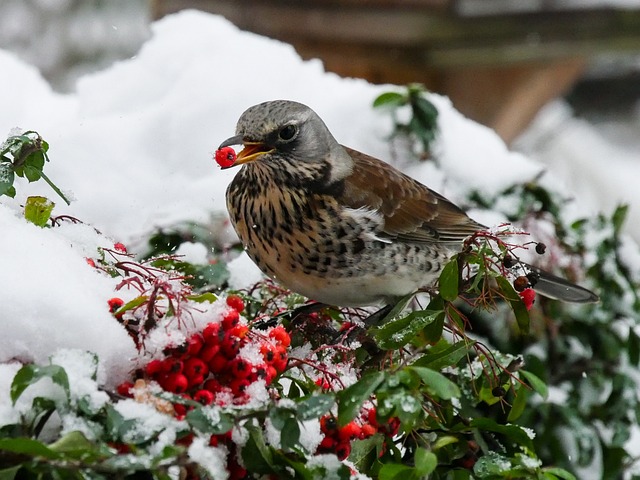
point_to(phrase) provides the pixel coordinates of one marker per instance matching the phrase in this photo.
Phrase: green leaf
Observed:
(436, 383)
(38, 210)
(390, 99)
(30, 374)
(290, 434)
(315, 406)
(6, 177)
(425, 461)
(73, 444)
(538, 385)
(446, 357)
(351, 398)
(27, 446)
(559, 473)
(132, 304)
(257, 457)
(512, 432)
(210, 420)
(516, 303)
(633, 348)
(618, 218)
(401, 331)
(203, 297)
(391, 471)
(519, 404)
(9, 473)
(398, 308)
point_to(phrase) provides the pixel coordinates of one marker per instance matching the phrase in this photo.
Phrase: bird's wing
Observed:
(411, 211)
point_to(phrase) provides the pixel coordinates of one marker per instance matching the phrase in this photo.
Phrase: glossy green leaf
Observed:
(315, 406)
(449, 356)
(28, 446)
(256, 455)
(389, 99)
(396, 471)
(425, 461)
(401, 331)
(516, 303)
(436, 383)
(30, 374)
(536, 383)
(351, 398)
(7, 177)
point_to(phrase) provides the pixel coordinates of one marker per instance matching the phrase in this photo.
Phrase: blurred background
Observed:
(500, 61)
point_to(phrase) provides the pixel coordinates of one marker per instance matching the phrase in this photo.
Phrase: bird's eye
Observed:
(288, 132)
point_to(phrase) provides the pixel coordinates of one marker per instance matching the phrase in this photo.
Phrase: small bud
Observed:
(508, 261)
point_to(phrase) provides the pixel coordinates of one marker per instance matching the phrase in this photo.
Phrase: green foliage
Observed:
(24, 155)
(422, 125)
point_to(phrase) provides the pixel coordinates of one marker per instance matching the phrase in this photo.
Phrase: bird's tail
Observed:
(558, 288)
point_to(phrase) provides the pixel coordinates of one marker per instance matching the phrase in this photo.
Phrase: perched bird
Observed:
(339, 226)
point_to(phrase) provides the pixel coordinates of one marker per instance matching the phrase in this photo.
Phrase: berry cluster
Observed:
(209, 368)
(338, 439)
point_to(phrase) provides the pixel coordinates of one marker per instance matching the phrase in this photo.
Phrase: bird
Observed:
(339, 226)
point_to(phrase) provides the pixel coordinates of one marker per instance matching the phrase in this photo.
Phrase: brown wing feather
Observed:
(412, 212)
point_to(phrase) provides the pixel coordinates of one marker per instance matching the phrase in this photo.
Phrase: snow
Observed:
(213, 459)
(595, 170)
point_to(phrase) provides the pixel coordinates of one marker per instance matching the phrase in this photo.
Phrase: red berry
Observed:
(240, 368)
(120, 247)
(172, 365)
(180, 409)
(328, 444)
(268, 351)
(219, 363)
(154, 368)
(208, 352)
(213, 334)
(280, 335)
(230, 346)
(212, 385)
(271, 374)
(194, 344)
(124, 389)
(114, 304)
(175, 383)
(239, 385)
(196, 381)
(329, 425)
(350, 431)
(280, 362)
(528, 296)
(230, 319)
(225, 157)
(204, 397)
(367, 431)
(371, 417)
(235, 302)
(343, 450)
(195, 367)
(90, 262)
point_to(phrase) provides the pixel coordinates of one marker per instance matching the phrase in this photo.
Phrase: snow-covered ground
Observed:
(133, 146)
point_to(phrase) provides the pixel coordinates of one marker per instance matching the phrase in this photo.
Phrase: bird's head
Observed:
(289, 133)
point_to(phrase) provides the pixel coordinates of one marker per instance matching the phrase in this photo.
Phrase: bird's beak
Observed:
(250, 152)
